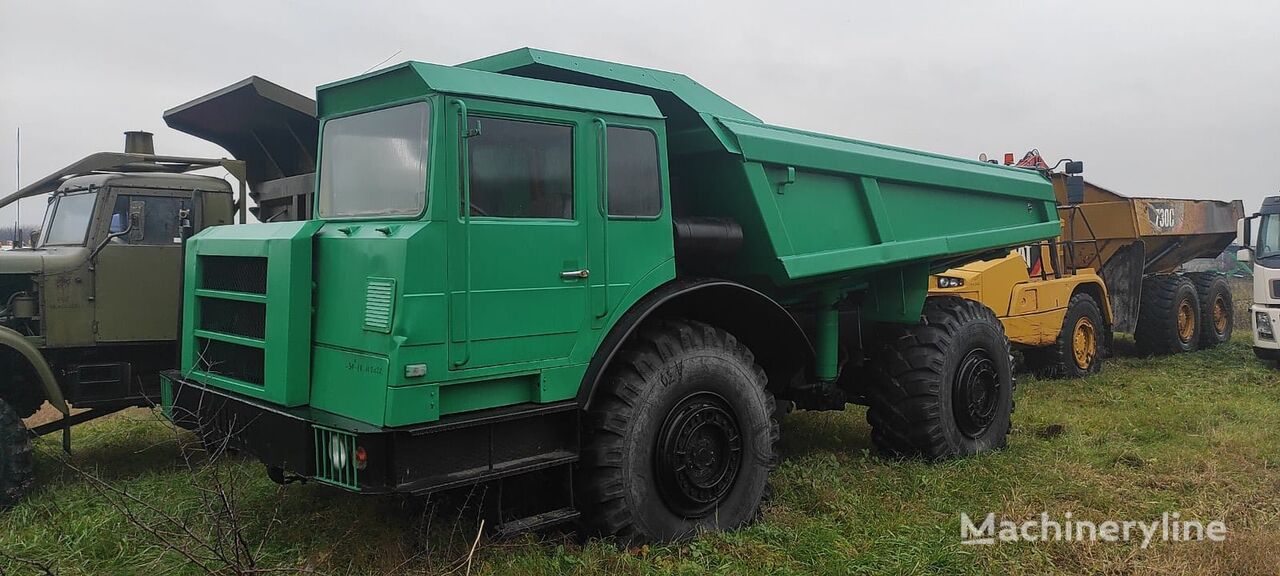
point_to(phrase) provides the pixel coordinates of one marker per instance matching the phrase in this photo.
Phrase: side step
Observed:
(535, 522)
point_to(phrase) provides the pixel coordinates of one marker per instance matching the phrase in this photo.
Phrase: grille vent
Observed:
(379, 304)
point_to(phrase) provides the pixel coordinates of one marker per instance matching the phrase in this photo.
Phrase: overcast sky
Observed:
(1160, 98)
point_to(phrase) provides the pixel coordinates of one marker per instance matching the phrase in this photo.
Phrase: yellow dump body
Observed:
(1172, 231)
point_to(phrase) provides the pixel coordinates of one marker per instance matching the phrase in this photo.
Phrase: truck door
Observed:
(136, 274)
(517, 245)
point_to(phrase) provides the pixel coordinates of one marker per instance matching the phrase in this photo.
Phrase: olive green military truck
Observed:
(89, 312)
(592, 285)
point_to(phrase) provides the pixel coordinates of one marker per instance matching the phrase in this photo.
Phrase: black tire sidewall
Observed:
(1081, 305)
(15, 457)
(1209, 335)
(970, 336)
(695, 370)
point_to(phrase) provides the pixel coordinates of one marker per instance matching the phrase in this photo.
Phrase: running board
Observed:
(534, 523)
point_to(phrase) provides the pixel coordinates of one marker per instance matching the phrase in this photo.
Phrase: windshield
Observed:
(68, 219)
(375, 163)
(1269, 236)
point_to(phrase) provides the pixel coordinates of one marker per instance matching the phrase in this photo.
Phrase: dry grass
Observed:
(1194, 433)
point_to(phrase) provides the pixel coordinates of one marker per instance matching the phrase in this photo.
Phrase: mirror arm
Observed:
(94, 255)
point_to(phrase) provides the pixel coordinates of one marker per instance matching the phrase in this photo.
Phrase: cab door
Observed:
(136, 272)
(518, 271)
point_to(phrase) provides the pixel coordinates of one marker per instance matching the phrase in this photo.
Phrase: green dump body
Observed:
(396, 320)
(814, 207)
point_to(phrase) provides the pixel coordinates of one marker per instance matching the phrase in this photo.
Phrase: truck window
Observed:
(521, 169)
(69, 225)
(375, 163)
(159, 219)
(1269, 236)
(633, 172)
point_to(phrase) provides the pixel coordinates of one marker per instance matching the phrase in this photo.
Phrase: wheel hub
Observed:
(975, 393)
(1186, 321)
(1220, 314)
(699, 454)
(1084, 343)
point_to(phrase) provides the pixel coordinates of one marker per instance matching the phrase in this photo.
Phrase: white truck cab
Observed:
(1264, 315)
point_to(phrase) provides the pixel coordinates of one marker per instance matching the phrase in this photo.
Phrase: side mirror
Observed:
(1244, 255)
(117, 223)
(35, 237)
(1075, 167)
(1075, 189)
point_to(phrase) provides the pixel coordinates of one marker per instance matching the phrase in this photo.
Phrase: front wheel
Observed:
(1078, 351)
(680, 437)
(16, 462)
(944, 387)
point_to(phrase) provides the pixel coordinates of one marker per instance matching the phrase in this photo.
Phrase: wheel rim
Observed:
(699, 454)
(1220, 314)
(976, 392)
(1186, 321)
(1084, 343)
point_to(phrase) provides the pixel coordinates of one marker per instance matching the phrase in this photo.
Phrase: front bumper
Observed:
(454, 451)
(1259, 342)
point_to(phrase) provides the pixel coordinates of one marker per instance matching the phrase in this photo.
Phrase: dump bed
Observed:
(813, 207)
(1169, 231)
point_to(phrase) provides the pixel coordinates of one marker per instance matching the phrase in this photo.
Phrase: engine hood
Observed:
(21, 261)
(42, 260)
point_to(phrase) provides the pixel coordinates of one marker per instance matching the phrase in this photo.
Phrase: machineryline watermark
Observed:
(1170, 527)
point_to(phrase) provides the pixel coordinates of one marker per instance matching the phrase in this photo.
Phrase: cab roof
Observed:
(413, 79)
(147, 180)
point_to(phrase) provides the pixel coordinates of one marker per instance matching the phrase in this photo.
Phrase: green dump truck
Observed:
(596, 282)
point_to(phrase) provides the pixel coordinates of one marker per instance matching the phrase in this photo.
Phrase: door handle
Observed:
(570, 275)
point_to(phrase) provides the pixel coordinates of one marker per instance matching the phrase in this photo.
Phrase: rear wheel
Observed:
(16, 462)
(942, 388)
(1169, 316)
(1079, 348)
(1217, 312)
(680, 437)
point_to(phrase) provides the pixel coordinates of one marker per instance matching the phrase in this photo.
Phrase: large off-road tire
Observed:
(16, 462)
(1081, 342)
(942, 388)
(679, 438)
(1168, 316)
(22, 393)
(1217, 311)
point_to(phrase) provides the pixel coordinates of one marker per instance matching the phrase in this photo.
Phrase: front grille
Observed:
(234, 273)
(336, 458)
(243, 363)
(247, 319)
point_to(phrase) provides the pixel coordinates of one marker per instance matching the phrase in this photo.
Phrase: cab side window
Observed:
(634, 188)
(156, 219)
(520, 169)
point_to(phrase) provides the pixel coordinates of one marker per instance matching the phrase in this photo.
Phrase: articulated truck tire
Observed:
(1168, 316)
(680, 438)
(942, 388)
(1080, 346)
(16, 462)
(1217, 311)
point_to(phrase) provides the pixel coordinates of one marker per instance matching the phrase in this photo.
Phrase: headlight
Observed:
(338, 453)
(950, 282)
(1263, 321)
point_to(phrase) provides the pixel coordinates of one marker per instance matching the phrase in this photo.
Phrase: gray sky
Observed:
(1160, 98)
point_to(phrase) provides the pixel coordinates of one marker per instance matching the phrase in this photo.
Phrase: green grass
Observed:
(1195, 433)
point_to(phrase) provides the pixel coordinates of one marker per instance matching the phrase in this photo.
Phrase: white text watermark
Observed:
(1170, 527)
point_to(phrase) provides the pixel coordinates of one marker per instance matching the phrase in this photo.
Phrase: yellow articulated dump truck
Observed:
(1113, 269)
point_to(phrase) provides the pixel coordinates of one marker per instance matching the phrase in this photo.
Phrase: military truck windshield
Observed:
(68, 219)
(375, 164)
(1269, 236)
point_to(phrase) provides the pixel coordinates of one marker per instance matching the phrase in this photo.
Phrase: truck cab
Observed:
(1265, 313)
(97, 293)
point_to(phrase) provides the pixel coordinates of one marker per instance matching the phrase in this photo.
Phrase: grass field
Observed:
(1195, 434)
